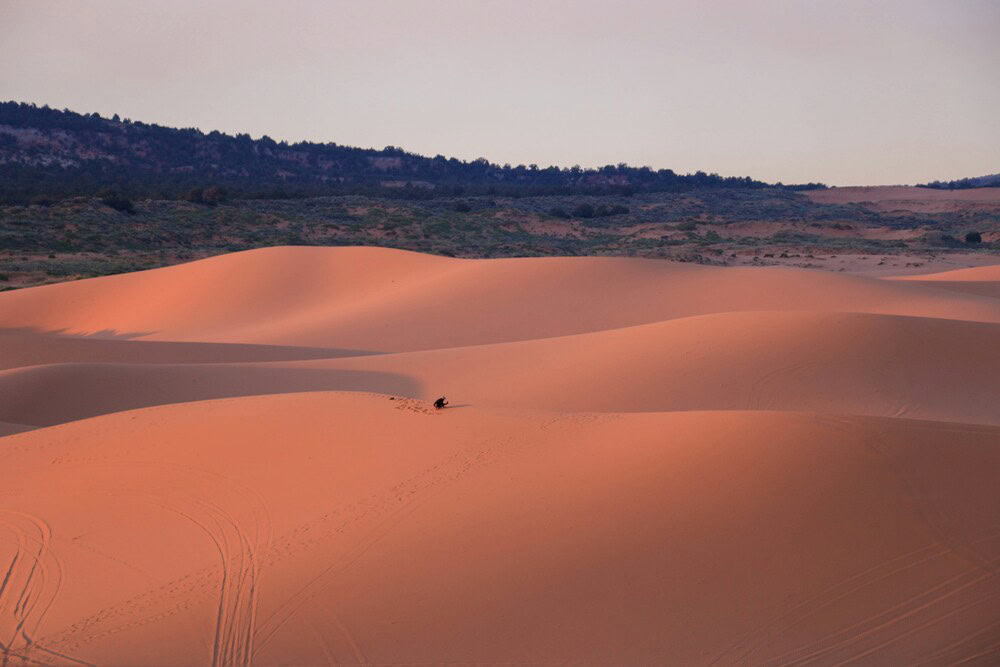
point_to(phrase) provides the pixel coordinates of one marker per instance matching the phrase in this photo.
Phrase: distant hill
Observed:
(51, 154)
(990, 181)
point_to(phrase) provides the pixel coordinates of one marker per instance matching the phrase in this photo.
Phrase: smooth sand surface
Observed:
(973, 274)
(25, 347)
(7, 428)
(235, 461)
(314, 528)
(979, 280)
(394, 301)
(850, 363)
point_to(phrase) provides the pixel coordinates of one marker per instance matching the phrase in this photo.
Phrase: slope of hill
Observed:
(391, 301)
(641, 461)
(800, 361)
(349, 529)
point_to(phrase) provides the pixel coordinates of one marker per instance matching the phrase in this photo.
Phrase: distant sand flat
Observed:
(235, 461)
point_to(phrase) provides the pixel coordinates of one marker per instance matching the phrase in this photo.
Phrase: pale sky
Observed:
(844, 92)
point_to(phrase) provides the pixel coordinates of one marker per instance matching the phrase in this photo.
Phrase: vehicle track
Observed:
(30, 583)
(743, 650)
(928, 602)
(382, 512)
(236, 574)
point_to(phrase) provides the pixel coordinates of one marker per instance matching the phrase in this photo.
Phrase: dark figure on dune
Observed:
(440, 403)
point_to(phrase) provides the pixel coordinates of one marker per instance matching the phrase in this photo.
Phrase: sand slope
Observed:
(25, 347)
(847, 363)
(643, 463)
(980, 280)
(974, 274)
(481, 536)
(392, 301)
(7, 428)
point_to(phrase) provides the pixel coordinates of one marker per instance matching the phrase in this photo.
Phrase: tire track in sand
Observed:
(29, 583)
(236, 550)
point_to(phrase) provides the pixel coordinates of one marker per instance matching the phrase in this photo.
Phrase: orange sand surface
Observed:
(980, 280)
(235, 461)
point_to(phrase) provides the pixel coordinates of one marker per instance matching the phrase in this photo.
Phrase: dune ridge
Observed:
(26, 347)
(398, 301)
(850, 363)
(979, 280)
(990, 273)
(236, 461)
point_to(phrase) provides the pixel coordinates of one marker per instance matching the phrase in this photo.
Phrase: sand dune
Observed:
(58, 393)
(643, 462)
(6, 428)
(831, 362)
(393, 301)
(987, 288)
(980, 280)
(834, 362)
(24, 347)
(975, 274)
(479, 536)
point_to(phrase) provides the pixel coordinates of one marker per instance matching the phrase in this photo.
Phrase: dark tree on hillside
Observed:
(116, 200)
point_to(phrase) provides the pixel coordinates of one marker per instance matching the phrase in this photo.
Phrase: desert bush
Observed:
(116, 200)
(687, 226)
(973, 238)
(583, 211)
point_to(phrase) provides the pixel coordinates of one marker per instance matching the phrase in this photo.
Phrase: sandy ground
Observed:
(882, 266)
(235, 461)
(907, 198)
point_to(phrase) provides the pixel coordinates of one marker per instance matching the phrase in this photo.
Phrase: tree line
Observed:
(49, 154)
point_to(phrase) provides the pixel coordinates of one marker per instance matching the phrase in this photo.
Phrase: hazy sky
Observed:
(846, 92)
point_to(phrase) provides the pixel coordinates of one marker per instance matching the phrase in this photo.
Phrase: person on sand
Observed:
(440, 403)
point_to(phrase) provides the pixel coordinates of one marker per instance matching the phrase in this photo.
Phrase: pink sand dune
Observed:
(236, 461)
